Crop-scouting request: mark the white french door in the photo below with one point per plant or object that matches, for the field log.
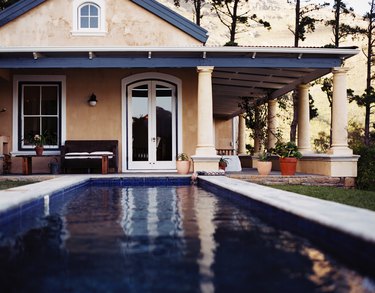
(151, 126)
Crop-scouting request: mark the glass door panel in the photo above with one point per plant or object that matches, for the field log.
(164, 139)
(151, 126)
(140, 117)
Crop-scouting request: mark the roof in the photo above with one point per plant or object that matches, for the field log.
(17, 9)
(175, 19)
(260, 73)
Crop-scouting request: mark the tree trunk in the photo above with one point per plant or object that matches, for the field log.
(198, 6)
(297, 23)
(337, 23)
(234, 22)
(293, 125)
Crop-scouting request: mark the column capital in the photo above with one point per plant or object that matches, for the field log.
(208, 69)
(304, 86)
(336, 70)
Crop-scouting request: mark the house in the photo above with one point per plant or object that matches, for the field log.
(160, 90)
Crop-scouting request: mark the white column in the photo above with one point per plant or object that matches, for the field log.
(272, 124)
(241, 135)
(339, 120)
(205, 158)
(304, 119)
(205, 146)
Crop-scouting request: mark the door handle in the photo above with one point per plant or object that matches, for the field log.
(153, 139)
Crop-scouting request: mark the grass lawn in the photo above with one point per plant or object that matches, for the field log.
(10, 183)
(352, 197)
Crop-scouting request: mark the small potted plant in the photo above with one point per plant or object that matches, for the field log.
(264, 164)
(183, 163)
(38, 140)
(288, 155)
(223, 163)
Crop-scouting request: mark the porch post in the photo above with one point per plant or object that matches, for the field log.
(303, 119)
(205, 158)
(272, 124)
(241, 135)
(339, 119)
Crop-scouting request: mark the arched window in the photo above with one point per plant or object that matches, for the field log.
(88, 17)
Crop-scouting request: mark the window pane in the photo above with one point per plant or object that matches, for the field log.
(50, 128)
(163, 127)
(49, 100)
(84, 22)
(94, 22)
(93, 10)
(31, 96)
(140, 123)
(85, 10)
(31, 127)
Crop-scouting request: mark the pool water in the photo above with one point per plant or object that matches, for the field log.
(163, 239)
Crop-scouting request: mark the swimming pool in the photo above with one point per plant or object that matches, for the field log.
(120, 238)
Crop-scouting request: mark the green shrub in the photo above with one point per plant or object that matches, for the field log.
(366, 167)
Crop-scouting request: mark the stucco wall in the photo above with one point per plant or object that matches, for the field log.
(103, 121)
(223, 134)
(127, 24)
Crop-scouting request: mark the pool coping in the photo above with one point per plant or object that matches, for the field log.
(350, 220)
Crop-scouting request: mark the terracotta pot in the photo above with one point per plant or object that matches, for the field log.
(183, 167)
(39, 150)
(288, 166)
(264, 167)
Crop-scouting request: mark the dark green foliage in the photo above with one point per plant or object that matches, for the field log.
(312, 109)
(366, 167)
(286, 150)
(321, 144)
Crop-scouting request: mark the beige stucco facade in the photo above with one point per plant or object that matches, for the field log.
(126, 24)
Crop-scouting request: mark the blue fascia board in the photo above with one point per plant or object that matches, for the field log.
(17, 9)
(174, 18)
(118, 62)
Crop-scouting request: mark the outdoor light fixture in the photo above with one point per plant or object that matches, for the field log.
(92, 101)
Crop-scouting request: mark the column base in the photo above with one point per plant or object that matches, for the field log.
(340, 151)
(305, 151)
(205, 163)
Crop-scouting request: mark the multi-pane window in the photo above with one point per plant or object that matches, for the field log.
(40, 113)
(89, 16)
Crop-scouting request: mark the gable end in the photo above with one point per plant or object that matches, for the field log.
(17, 9)
(174, 18)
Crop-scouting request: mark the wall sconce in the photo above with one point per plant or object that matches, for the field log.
(92, 101)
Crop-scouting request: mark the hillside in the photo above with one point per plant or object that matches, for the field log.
(281, 15)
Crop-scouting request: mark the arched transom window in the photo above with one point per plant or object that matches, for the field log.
(88, 17)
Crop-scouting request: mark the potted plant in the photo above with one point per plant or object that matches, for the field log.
(38, 140)
(183, 163)
(264, 164)
(288, 155)
(223, 163)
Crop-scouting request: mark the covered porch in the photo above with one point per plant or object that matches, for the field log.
(224, 75)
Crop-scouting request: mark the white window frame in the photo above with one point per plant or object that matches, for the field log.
(36, 78)
(77, 30)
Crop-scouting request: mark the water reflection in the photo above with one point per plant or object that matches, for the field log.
(163, 239)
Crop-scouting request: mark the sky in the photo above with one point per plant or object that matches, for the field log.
(360, 6)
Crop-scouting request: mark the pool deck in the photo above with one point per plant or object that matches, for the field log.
(356, 222)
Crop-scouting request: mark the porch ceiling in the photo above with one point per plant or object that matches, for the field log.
(255, 72)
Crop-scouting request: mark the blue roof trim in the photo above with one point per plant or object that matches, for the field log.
(17, 9)
(121, 62)
(174, 18)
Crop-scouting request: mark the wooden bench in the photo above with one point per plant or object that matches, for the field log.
(89, 154)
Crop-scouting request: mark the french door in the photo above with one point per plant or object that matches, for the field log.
(151, 126)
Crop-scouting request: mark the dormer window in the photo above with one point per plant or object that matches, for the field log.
(88, 17)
